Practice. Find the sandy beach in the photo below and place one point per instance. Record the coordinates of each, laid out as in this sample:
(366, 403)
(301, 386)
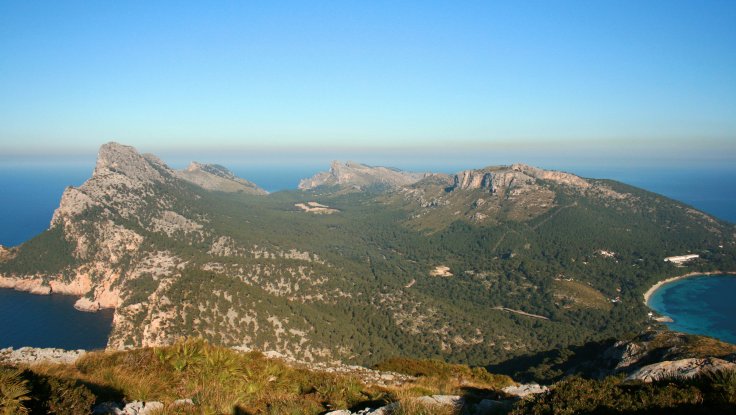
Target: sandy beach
(656, 286)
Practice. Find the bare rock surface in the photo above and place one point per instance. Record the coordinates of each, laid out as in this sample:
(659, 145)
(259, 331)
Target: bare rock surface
(525, 389)
(132, 408)
(683, 368)
(33, 355)
(491, 179)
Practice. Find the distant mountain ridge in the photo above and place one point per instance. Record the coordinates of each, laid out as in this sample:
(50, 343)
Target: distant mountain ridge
(217, 177)
(204, 253)
(359, 176)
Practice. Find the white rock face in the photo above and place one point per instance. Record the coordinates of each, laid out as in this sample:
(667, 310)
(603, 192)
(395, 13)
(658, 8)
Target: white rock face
(33, 355)
(683, 368)
(114, 158)
(525, 390)
(503, 179)
(491, 179)
(552, 175)
(454, 401)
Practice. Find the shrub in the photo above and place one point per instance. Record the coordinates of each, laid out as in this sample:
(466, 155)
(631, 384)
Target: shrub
(52, 395)
(13, 392)
(444, 372)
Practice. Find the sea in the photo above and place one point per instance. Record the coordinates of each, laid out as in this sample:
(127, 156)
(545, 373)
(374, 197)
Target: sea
(29, 193)
(699, 305)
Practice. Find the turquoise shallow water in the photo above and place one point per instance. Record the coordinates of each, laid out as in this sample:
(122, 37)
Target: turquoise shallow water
(700, 305)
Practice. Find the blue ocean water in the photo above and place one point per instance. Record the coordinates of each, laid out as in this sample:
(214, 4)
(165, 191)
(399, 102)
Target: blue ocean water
(711, 189)
(699, 305)
(29, 196)
(30, 193)
(50, 321)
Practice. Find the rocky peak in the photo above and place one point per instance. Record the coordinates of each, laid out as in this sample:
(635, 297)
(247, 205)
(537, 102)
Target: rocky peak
(122, 178)
(360, 175)
(114, 158)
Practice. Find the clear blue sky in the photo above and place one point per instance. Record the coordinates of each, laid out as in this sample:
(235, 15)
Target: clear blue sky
(464, 77)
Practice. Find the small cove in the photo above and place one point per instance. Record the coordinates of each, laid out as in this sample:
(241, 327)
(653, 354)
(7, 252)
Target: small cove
(50, 321)
(701, 304)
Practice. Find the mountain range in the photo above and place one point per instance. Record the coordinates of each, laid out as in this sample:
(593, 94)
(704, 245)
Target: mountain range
(362, 263)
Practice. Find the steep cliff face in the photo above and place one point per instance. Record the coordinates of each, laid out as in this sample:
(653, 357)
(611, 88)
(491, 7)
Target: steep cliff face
(103, 222)
(137, 237)
(218, 178)
(492, 180)
(496, 193)
(359, 176)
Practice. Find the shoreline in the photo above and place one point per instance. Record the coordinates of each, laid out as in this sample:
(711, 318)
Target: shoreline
(659, 284)
(78, 288)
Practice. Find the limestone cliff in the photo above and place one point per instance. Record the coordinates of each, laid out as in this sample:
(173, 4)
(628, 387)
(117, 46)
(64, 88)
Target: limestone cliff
(359, 176)
(491, 179)
(117, 240)
(518, 192)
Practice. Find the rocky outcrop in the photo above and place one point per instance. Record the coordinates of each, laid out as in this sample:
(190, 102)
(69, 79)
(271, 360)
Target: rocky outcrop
(491, 179)
(525, 390)
(31, 284)
(137, 407)
(496, 179)
(33, 355)
(683, 368)
(360, 176)
(120, 160)
(445, 403)
(660, 345)
(552, 176)
(218, 178)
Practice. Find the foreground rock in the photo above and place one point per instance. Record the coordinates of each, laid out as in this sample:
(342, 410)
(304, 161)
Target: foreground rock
(683, 368)
(33, 355)
(525, 390)
(457, 403)
(133, 408)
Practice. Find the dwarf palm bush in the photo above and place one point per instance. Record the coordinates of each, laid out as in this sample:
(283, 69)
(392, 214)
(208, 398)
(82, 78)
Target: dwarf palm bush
(13, 392)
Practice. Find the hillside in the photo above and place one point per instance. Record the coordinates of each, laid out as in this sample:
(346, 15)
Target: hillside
(476, 268)
(218, 178)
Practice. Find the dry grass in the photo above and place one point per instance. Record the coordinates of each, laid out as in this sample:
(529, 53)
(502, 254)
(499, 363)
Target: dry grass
(223, 381)
(580, 294)
(218, 380)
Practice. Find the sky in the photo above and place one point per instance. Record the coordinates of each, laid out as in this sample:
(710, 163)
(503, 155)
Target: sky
(409, 82)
